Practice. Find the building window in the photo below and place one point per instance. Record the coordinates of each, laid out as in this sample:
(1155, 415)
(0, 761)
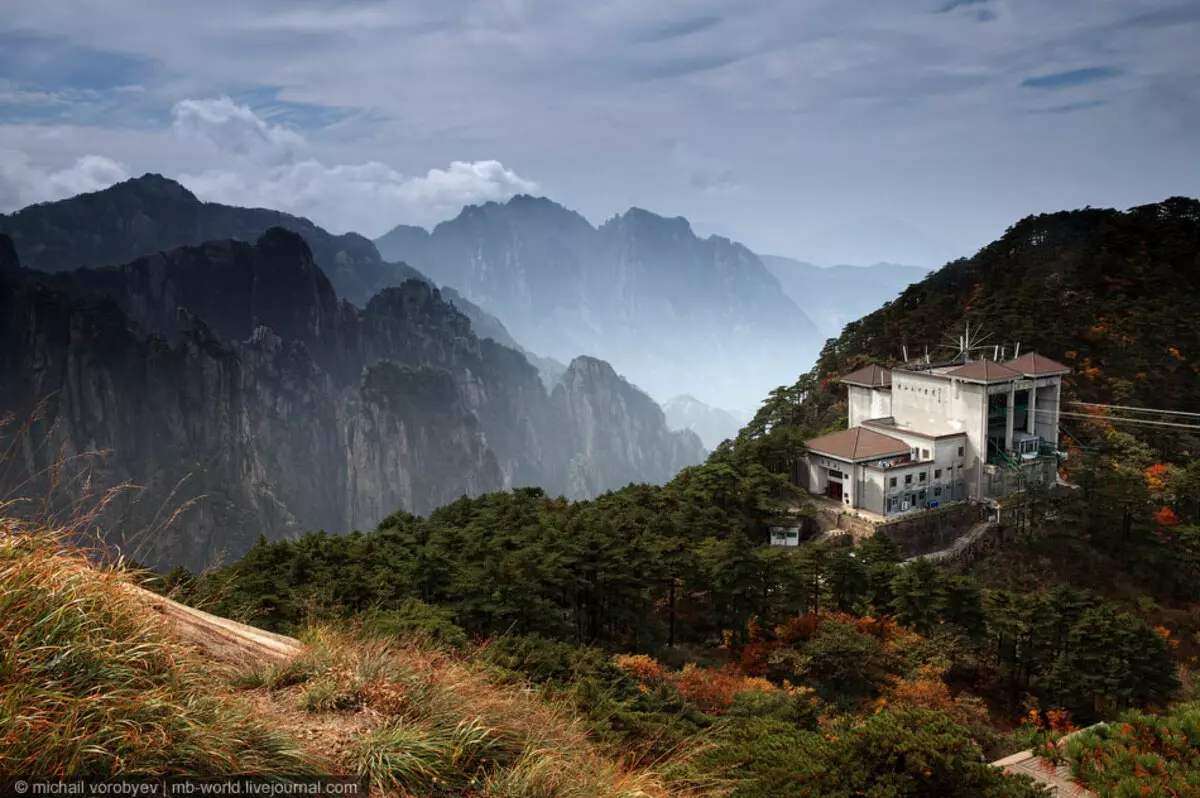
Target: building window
(892, 482)
(921, 496)
(908, 479)
(923, 475)
(960, 451)
(937, 492)
(924, 454)
(937, 473)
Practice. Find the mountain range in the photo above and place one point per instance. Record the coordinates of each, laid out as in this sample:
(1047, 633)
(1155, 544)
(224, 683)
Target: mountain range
(205, 350)
(834, 296)
(712, 424)
(675, 313)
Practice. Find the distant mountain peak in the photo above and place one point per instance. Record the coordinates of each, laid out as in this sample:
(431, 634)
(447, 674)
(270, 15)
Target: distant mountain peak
(155, 184)
(641, 217)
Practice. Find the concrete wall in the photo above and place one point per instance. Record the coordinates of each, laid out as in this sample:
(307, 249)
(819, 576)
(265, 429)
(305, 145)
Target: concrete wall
(870, 490)
(1049, 393)
(933, 530)
(972, 399)
(867, 403)
(925, 402)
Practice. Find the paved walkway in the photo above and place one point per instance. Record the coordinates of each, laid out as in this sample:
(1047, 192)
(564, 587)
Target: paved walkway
(1058, 779)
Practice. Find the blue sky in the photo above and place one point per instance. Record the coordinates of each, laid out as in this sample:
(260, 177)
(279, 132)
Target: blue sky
(832, 130)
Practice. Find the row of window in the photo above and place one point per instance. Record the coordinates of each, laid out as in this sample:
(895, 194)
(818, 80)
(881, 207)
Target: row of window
(908, 478)
(895, 502)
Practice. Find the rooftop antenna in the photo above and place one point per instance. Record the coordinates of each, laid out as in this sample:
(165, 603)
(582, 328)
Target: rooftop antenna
(965, 343)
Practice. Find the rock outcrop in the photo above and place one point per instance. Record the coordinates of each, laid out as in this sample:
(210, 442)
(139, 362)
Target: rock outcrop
(229, 382)
(674, 312)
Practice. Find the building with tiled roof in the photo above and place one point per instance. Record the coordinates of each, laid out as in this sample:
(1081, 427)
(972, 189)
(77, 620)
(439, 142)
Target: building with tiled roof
(924, 434)
(1034, 365)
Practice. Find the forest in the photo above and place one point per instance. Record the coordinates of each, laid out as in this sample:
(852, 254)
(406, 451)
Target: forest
(838, 668)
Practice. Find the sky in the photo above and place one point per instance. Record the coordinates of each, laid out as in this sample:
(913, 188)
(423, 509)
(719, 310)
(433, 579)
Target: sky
(910, 131)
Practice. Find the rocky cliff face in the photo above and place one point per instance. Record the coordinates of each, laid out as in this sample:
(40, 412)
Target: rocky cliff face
(611, 423)
(674, 312)
(227, 379)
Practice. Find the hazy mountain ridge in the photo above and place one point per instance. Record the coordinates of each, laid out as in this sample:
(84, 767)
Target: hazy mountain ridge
(712, 424)
(834, 296)
(236, 366)
(673, 312)
(151, 213)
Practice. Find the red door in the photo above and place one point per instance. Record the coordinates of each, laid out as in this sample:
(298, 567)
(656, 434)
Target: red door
(834, 490)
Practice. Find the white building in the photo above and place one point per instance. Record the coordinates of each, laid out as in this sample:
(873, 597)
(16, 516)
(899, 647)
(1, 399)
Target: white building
(922, 435)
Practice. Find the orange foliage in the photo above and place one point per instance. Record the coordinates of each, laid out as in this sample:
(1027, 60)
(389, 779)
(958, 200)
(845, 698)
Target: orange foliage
(640, 667)
(927, 690)
(1165, 517)
(1166, 635)
(1156, 478)
(713, 690)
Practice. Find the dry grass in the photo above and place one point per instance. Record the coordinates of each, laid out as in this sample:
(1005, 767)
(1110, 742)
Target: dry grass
(420, 721)
(92, 683)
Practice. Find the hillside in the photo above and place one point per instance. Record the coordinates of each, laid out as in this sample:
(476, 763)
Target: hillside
(228, 381)
(1109, 293)
(148, 687)
(837, 295)
(673, 312)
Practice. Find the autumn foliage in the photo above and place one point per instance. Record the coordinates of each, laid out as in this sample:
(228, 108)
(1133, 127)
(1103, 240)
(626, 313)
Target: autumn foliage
(710, 689)
(1165, 517)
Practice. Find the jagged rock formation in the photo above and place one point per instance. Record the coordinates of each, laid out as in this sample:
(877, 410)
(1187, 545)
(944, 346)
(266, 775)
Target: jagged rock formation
(611, 422)
(673, 312)
(231, 374)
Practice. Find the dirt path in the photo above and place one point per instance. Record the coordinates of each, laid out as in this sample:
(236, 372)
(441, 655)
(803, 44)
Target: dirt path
(224, 640)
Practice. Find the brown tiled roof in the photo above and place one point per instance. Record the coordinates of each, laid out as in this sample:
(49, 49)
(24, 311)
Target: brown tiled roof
(1034, 365)
(985, 371)
(857, 443)
(869, 377)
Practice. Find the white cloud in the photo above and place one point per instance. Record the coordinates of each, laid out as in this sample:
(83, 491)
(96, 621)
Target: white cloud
(234, 156)
(231, 129)
(263, 167)
(22, 183)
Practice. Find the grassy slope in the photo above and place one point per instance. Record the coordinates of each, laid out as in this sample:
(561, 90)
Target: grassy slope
(91, 683)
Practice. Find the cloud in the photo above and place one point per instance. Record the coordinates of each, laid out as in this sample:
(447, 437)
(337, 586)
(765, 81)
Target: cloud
(707, 175)
(675, 29)
(953, 4)
(231, 129)
(269, 165)
(1073, 77)
(22, 183)
(1067, 108)
(823, 110)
